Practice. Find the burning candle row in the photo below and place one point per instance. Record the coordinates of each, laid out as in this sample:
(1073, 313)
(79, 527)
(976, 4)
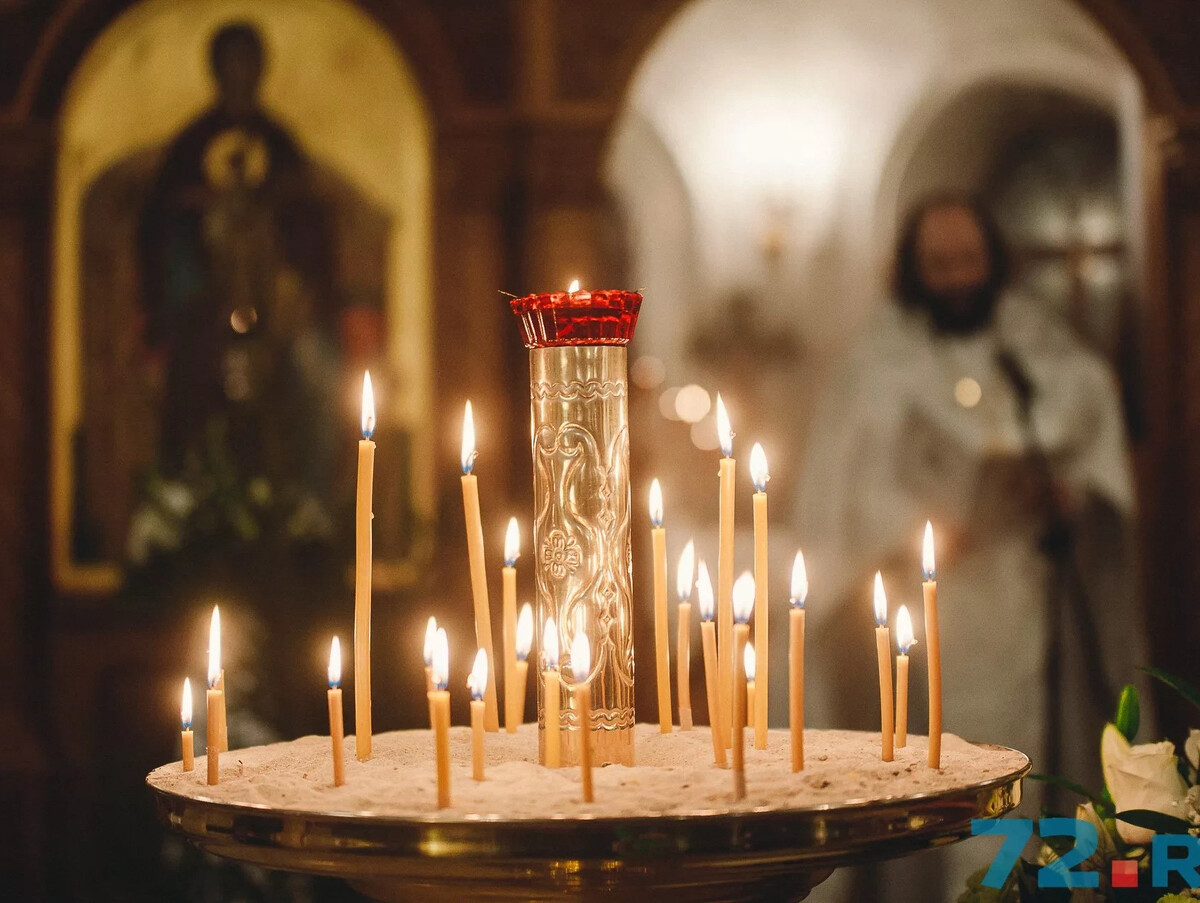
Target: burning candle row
(736, 672)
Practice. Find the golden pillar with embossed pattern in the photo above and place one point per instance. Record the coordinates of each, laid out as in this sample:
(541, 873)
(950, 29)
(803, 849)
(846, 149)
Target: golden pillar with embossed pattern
(581, 542)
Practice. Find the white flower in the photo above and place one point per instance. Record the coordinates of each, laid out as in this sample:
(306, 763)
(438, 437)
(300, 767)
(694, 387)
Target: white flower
(1145, 776)
(1191, 748)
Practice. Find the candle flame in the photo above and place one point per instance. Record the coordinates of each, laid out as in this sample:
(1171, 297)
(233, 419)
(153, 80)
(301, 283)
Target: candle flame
(477, 679)
(573, 287)
(581, 657)
(880, 601)
(431, 629)
(656, 504)
(524, 632)
(512, 543)
(214, 648)
(185, 706)
(368, 407)
(439, 662)
(748, 661)
(468, 440)
(550, 645)
(686, 572)
(335, 663)
(724, 428)
(704, 591)
(799, 592)
(758, 468)
(927, 553)
(904, 631)
(743, 598)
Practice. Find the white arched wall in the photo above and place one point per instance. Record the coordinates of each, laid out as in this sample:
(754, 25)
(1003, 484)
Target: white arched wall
(339, 82)
(817, 105)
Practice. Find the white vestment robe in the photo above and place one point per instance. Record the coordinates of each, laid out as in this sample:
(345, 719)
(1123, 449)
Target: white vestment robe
(918, 426)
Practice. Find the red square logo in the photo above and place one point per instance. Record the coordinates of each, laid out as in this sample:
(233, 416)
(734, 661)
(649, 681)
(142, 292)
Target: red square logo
(1124, 873)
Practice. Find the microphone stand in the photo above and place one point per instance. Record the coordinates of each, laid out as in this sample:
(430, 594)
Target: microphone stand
(1057, 543)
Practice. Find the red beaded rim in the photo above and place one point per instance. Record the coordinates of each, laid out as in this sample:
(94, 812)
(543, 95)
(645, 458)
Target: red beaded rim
(605, 317)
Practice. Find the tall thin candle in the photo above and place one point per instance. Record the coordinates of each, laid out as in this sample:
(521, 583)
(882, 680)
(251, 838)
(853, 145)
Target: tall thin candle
(662, 664)
(476, 684)
(933, 655)
(335, 712)
(479, 587)
(439, 716)
(552, 694)
(743, 607)
(216, 700)
(749, 665)
(362, 575)
(581, 667)
(712, 675)
(684, 575)
(904, 642)
(521, 666)
(514, 702)
(186, 741)
(883, 652)
(799, 595)
(762, 642)
(725, 651)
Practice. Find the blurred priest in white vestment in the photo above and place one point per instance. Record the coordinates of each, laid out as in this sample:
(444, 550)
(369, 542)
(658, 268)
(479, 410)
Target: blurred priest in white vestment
(974, 408)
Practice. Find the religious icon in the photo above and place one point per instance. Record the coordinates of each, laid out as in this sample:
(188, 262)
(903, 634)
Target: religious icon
(233, 288)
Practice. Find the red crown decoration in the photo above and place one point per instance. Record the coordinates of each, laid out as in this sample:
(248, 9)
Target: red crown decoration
(551, 319)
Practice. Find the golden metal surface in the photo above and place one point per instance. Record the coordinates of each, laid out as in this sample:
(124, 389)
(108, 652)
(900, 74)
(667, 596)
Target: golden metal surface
(582, 564)
(762, 854)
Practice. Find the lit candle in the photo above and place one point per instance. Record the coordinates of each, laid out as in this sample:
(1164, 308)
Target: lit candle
(712, 677)
(431, 630)
(187, 744)
(662, 664)
(222, 717)
(799, 594)
(683, 640)
(581, 666)
(933, 655)
(216, 700)
(479, 588)
(514, 701)
(743, 607)
(552, 689)
(883, 651)
(477, 684)
(904, 642)
(362, 575)
(521, 666)
(760, 476)
(335, 712)
(725, 650)
(748, 665)
(439, 715)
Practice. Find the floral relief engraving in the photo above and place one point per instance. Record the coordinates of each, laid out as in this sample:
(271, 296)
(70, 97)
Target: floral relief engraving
(560, 554)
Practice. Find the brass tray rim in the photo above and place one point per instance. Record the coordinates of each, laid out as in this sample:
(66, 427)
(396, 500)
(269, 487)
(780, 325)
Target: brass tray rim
(545, 823)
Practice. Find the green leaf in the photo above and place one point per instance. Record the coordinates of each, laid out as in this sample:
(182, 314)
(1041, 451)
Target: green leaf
(1067, 784)
(1178, 684)
(1157, 822)
(1129, 712)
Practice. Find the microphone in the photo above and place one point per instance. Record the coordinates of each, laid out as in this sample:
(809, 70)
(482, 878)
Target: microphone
(1018, 378)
